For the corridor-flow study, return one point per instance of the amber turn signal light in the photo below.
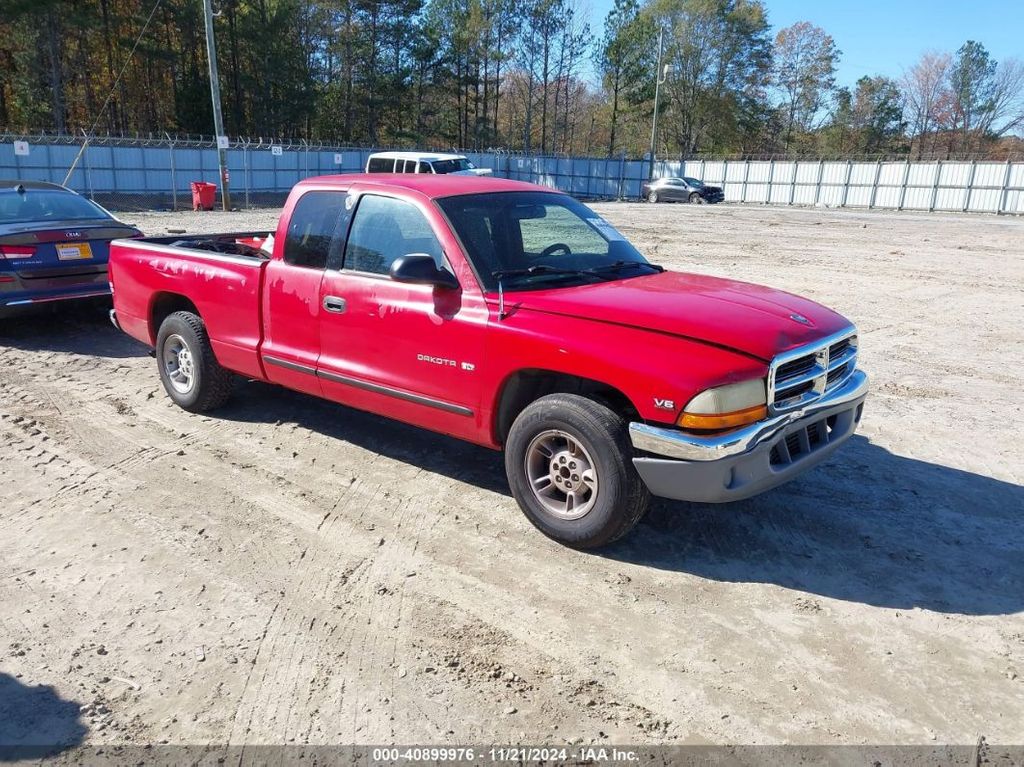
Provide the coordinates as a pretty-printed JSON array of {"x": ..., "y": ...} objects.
[{"x": 723, "y": 420}]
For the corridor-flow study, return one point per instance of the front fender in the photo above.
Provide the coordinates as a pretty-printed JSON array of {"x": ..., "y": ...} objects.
[{"x": 658, "y": 372}]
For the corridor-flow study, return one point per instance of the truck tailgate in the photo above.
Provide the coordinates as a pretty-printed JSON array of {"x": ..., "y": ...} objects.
[{"x": 152, "y": 273}]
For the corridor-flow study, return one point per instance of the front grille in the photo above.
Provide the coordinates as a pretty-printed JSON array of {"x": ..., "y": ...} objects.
[
  {"x": 784, "y": 395},
  {"x": 837, "y": 373},
  {"x": 800, "y": 376},
  {"x": 795, "y": 368},
  {"x": 838, "y": 348}
]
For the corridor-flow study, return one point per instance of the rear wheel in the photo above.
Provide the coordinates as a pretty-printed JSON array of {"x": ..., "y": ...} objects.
[
  {"x": 190, "y": 373},
  {"x": 652, "y": 196},
  {"x": 568, "y": 461}
]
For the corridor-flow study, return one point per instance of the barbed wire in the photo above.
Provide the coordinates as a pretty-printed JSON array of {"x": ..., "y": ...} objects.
[{"x": 52, "y": 138}]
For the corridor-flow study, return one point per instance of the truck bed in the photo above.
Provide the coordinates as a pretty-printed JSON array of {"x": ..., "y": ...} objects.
[{"x": 220, "y": 275}]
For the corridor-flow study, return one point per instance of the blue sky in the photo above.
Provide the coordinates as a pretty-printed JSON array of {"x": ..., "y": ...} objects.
[{"x": 885, "y": 37}]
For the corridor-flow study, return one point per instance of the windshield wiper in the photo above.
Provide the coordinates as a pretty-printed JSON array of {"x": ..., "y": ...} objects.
[
  {"x": 539, "y": 269},
  {"x": 619, "y": 266}
]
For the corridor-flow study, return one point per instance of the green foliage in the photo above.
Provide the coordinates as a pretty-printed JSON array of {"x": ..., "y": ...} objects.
[
  {"x": 804, "y": 72},
  {"x": 623, "y": 60},
  {"x": 719, "y": 56},
  {"x": 523, "y": 74},
  {"x": 972, "y": 81}
]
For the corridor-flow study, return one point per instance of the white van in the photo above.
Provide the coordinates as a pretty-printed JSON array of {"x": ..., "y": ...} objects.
[{"x": 423, "y": 162}]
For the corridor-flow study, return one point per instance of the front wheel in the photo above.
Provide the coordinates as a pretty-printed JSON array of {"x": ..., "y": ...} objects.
[
  {"x": 190, "y": 373},
  {"x": 696, "y": 199},
  {"x": 568, "y": 461},
  {"x": 652, "y": 197}
]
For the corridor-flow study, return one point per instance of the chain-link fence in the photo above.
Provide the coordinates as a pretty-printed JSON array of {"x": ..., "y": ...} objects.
[{"x": 155, "y": 174}]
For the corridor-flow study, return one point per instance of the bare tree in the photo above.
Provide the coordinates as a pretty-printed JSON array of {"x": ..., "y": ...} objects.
[
  {"x": 925, "y": 87},
  {"x": 1006, "y": 108},
  {"x": 805, "y": 67}
]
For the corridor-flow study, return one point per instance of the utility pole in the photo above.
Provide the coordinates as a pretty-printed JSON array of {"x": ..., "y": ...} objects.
[
  {"x": 659, "y": 78},
  {"x": 218, "y": 119}
]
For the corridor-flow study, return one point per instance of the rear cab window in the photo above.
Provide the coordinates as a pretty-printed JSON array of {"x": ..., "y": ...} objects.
[{"x": 316, "y": 228}]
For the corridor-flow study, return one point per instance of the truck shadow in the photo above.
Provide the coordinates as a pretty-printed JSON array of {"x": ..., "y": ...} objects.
[
  {"x": 35, "y": 722},
  {"x": 869, "y": 526},
  {"x": 437, "y": 453},
  {"x": 82, "y": 327}
]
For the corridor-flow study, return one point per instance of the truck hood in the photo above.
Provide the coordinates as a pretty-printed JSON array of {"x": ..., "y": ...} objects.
[{"x": 752, "y": 319}]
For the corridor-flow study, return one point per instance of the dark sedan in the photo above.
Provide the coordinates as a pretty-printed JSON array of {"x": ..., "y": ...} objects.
[
  {"x": 682, "y": 189},
  {"x": 54, "y": 245}
]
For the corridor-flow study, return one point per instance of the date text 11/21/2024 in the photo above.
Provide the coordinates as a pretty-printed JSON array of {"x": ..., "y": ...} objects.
[{"x": 500, "y": 754}]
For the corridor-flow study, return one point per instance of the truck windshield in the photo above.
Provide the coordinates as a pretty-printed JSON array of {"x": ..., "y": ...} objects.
[
  {"x": 452, "y": 166},
  {"x": 533, "y": 240}
]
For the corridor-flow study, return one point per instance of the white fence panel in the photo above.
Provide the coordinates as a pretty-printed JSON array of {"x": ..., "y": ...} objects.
[
  {"x": 955, "y": 174},
  {"x": 948, "y": 199},
  {"x": 887, "y": 197},
  {"x": 989, "y": 174},
  {"x": 985, "y": 200},
  {"x": 859, "y": 196},
  {"x": 863, "y": 174},
  {"x": 922, "y": 174},
  {"x": 891, "y": 173}
]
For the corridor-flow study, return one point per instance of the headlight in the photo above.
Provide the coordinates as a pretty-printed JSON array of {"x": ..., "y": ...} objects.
[{"x": 725, "y": 407}]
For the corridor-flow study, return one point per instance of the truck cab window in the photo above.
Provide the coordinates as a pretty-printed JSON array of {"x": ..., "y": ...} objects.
[
  {"x": 318, "y": 222},
  {"x": 385, "y": 229}
]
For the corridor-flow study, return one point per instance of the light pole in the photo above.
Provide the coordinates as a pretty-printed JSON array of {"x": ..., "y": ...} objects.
[
  {"x": 218, "y": 119},
  {"x": 659, "y": 77}
]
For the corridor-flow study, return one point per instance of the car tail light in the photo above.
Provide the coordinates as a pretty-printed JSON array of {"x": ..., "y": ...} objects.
[{"x": 17, "y": 251}]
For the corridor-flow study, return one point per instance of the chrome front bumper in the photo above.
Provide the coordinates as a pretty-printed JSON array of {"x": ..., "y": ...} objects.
[{"x": 747, "y": 461}]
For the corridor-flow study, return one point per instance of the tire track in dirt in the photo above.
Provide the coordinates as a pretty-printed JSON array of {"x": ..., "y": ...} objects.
[{"x": 371, "y": 657}]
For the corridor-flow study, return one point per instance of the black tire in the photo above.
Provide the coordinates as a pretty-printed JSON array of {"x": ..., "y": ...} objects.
[
  {"x": 621, "y": 498},
  {"x": 211, "y": 384},
  {"x": 696, "y": 199},
  {"x": 652, "y": 196}
]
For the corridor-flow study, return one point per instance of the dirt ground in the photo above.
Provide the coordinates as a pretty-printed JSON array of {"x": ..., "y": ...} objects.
[{"x": 291, "y": 571}]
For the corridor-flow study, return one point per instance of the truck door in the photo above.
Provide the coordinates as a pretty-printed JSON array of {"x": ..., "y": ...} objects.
[
  {"x": 409, "y": 351},
  {"x": 291, "y": 297}
]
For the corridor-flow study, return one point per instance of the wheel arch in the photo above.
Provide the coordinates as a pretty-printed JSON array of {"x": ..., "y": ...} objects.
[
  {"x": 163, "y": 305},
  {"x": 522, "y": 387}
]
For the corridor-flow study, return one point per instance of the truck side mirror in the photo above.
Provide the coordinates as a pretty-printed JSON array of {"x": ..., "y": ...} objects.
[{"x": 420, "y": 269}]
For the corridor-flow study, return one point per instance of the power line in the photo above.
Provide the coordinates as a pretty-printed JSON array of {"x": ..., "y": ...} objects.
[{"x": 110, "y": 95}]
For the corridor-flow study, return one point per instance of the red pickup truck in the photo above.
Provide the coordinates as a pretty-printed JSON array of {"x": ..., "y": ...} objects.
[{"x": 514, "y": 317}]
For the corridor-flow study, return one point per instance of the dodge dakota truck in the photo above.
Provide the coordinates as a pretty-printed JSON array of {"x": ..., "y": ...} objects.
[{"x": 514, "y": 317}]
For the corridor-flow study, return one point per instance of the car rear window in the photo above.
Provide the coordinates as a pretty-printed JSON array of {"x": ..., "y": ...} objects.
[
  {"x": 380, "y": 165},
  {"x": 452, "y": 166},
  {"x": 46, "y": 205}
]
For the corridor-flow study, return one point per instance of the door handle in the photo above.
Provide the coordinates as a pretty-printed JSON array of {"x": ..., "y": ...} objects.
[{"x": 335, "y": 304}]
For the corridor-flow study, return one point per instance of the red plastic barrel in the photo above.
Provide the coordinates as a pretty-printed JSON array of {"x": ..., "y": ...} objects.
[{"x": 204, "y": 195}]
